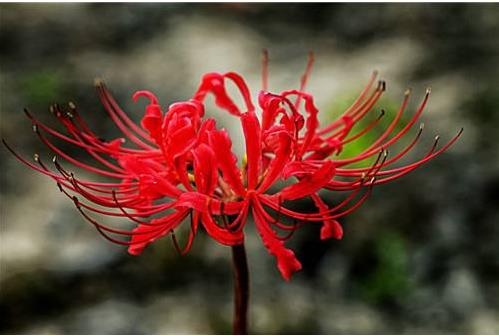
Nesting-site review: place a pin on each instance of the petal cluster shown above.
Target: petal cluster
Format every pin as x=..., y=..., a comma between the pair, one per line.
x=177, y=166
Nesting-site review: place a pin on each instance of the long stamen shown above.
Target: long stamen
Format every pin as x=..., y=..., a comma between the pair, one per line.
x=124, y=116
x=357, y=171
x=222, y=214
x=112, y=113
x=376, y=145
x=267, y=217
x=373, y=172
x=190, y=239
x=89, y=207
x=365, y=130
x=277, y=220
x=279, y=200
x=240, y=219
x=360, y=112
x=159, y=228
x=343, y=186
x=91, y=186
x=358, y=105
x=97, y=199
x=29, y=164
x=84, y=126
x=265, y=69
x=74, y=161
x=267, y=201
x=363, y=93
x=304, y=78
x=141, y=213
x=358, y=203
x=405, y=170
x=91, y=150
x=175, y=242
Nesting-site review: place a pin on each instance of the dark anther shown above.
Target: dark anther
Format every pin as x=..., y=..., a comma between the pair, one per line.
x=28, y=114
x=381, y=85
x=76, y=202
x=99, y=83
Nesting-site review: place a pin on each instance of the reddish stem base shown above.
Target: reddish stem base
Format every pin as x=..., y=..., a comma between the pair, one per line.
x=241, y=290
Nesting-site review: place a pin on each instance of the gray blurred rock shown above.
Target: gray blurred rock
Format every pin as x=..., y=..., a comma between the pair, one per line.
x=462, y=292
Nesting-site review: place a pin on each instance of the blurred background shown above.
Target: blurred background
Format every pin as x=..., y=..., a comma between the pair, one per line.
x=420, y=256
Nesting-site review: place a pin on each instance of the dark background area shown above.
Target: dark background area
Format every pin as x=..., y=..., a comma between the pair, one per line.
x=420, y=256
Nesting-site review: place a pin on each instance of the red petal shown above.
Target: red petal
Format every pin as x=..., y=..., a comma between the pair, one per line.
x=205, y=169
x=150, y=181
x=311, y=183
x=142, y=240
x=152, y=121
x=194, y=200
x=270, y=104
x=300, y=168
x=153, y=116
x=214, y=83
x=221, y=235
x=252, y=135
x=179, y=138
x=243, y=88
x=286, y=260
x=312, y=121
x=204, y=203
x=138, y=248
x=330, y=228
x=114, y=147
x=221, y=145
x=206, y=127
x=276, y=166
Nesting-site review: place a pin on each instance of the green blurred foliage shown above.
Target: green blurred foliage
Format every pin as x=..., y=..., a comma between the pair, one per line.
x=390, y=279
x=41, y=86
x=357, y=146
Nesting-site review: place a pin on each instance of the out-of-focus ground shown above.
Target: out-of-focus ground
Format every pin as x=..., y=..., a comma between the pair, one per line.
x=421, y=256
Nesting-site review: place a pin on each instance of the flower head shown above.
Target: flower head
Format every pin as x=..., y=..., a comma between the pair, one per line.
x=177, y=164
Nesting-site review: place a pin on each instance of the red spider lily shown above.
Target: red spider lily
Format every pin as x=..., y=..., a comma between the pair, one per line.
x=180, y=165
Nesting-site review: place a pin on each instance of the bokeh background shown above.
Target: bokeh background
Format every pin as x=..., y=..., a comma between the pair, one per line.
x=421, y=256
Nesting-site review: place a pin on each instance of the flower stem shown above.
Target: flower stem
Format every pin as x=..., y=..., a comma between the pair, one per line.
x=241, y=289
